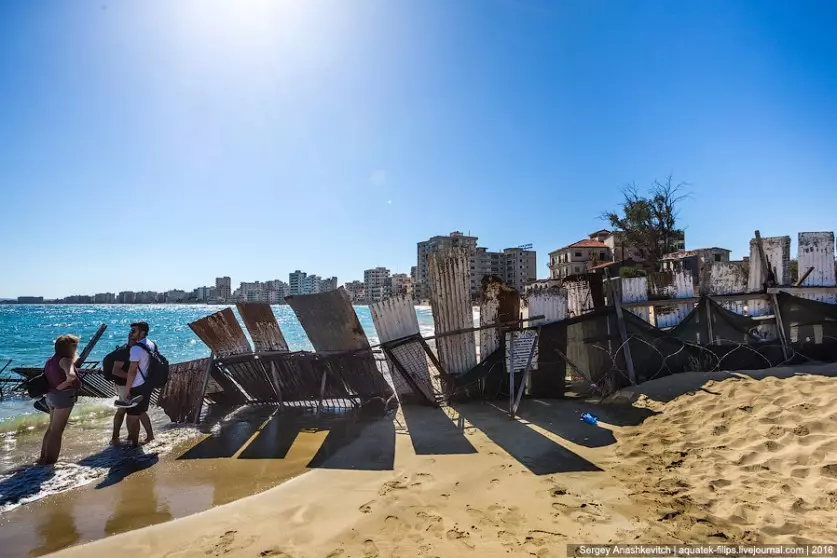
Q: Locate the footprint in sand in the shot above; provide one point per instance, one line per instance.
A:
(370, 550)
(395, 528)
(829, 470)
(430, 523)
(463, 537)
(274, 553)
(389, 486)
(507, 538)
(336, 553)
(367, 507)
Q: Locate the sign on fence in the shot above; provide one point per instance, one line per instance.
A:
(518, 347)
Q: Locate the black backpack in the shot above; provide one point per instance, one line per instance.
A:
(36, 386)
(158, 367)
(121, 353)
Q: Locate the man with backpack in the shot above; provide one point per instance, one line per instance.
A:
(115, 368)
(144, 357)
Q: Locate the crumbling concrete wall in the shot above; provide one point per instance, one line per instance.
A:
(777, 250)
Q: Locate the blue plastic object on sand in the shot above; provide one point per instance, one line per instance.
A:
(590, 419)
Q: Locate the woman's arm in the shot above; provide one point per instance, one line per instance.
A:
(69, 368)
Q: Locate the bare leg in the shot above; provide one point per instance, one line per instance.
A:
(57, 423)
(146, 424)
(133, 430)
(118, 417)
(45, 443)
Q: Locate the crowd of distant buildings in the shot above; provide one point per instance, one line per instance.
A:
(517, 267)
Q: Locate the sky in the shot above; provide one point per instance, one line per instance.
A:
(157, 144)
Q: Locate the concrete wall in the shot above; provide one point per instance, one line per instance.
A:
(816, 249)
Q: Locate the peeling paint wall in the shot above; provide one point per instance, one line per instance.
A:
(679, 284)
(550, 303)
(579, 298)
(727, 278)
(450, 300)
(635, 289)
(816, 249)
(777, 250)
(499, 304)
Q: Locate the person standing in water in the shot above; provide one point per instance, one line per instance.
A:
(138, 371)
(118, 363)
(64, 384)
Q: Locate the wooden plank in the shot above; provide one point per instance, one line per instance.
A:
(804, 276)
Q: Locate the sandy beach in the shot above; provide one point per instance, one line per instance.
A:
(689, 458)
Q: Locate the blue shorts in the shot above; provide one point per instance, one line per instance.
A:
(64, 399)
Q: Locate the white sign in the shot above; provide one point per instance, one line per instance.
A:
(518, 347)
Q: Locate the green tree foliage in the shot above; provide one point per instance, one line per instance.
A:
(649, 222)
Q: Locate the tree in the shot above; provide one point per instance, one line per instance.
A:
(649, 223)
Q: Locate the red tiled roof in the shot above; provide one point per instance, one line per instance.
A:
(602, 265)
(587, 243)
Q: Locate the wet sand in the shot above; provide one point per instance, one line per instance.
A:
(680, 459)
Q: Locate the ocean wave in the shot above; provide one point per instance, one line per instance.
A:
(87, 408)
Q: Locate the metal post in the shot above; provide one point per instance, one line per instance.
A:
(322, 390)
(623, 332)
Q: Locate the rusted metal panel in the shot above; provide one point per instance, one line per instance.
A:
(777, 250)
(450, 301)
(261, 323)
(500, 304)
(181, 396)
(816, 249)
(332, 326)
(727, 278)
(395, 318)
(551, 303)
(679, 284)
(579, 297)
(635, 289)
(222, 334)
(329, 321)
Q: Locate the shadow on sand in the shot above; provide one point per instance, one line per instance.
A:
(562, 417)
(275, 433)
(434, 433)
(533, 450)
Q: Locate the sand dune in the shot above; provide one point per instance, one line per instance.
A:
(730, 461)
(740, 460)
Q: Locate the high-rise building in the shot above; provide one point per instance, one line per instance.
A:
(104, 298)
(175, 295)
(520, 266)
(374, 283)
(399, 284)
(126, 297)
(223, 288)
(295, 280)
(421, 287)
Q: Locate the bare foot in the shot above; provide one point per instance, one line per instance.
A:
(115, 441)
(149, 438)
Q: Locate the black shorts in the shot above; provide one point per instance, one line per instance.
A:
(119, 381)
(142, 406)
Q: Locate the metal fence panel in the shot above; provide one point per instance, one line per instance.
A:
(635, 289)
(450, 300)
(816, 249)
(551, 303)
(329, 321)
(679, 284)
(395, 318)
(182, 395)
(261, 323)
(726, 278)
(222, 334)
(777, 250)
(500, 304)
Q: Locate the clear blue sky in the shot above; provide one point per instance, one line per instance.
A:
(159, 144)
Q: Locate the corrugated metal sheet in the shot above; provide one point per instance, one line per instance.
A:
(579, 298)
(395, 318)
(450, 300)
(777, 250)
(329, 321)
(499, 304)
(679, 284)
(333, 327)
(727, 278)
(222, 333)
(635, 289)
(261, 323)
(550, 303)
(816, 249)
(181, 397)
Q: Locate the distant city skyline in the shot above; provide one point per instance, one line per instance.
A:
(332, 136)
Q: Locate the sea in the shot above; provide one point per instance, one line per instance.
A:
(27, 333)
